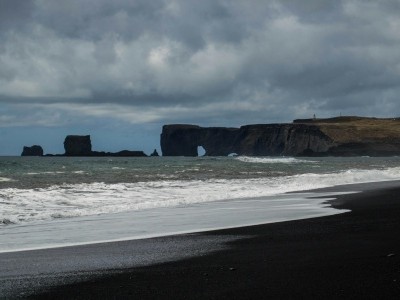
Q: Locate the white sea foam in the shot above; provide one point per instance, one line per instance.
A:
(5, 179)
(66, 201)
(6, 221)
(47, 173)
(164, 221)
(272, 160)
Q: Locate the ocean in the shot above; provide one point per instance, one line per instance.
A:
(60, 201)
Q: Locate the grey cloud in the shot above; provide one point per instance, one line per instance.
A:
(14, 14)
(91, 19)
(315, 11)
(204, 61)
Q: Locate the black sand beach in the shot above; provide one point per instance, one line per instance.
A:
(350, 255)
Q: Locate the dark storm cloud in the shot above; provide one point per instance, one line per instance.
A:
(205, 61)
(92, 19)
(14, 14)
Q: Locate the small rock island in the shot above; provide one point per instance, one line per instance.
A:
(155, 153)
(34, 150)
(80, 145)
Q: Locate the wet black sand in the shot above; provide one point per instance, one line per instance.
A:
(350, 255)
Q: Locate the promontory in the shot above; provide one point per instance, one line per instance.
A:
(339, 136)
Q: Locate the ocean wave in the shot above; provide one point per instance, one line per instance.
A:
(47, 173)
(272, 160)
(5, 179)
(84, 199)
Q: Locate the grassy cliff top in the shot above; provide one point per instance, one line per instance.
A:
(350, 129)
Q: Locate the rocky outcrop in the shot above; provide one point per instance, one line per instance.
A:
(78, 145)
(81, 145)
(34, 150)
(129, 153)
(347, 136)
(155, 153)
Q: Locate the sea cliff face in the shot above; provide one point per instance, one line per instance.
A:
(347, 136)
(253, 140)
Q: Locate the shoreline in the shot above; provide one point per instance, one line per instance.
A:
(315, 199)
(240, 259)
(163, 221)
(318, 208)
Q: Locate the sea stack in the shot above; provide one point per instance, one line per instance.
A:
(34, 150)
(155, 153)
(78, 145)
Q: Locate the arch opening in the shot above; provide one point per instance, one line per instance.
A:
(201, 151)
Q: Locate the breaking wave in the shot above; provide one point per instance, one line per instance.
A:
(5, 179)
(84, 199)
(272, 160)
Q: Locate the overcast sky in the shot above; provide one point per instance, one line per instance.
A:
(120, 69)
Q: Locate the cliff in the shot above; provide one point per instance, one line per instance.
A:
(341, 136)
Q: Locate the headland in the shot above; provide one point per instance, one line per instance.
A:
(339, 136)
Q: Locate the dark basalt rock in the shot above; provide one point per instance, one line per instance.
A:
(81, 145)
(123, 153)
(183, 140)
(34, 150)
(78, 145)
(129, 153)
(253, 140)
(341, 136)
(155, 153)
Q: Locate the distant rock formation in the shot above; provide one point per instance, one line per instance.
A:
(81, 145)
(155, 153)
(253, 140)
(78, 145)
(34, 150)
(123, 153)
(341, 136)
